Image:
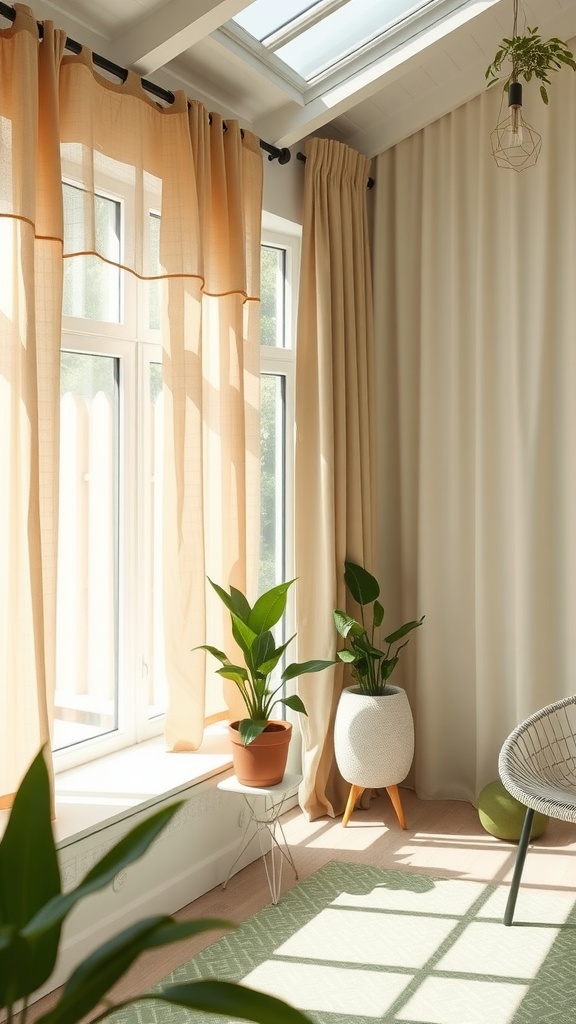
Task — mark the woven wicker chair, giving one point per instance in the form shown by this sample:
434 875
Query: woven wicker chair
537 765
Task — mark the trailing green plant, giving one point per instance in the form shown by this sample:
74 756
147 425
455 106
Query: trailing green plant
529 56
252 631
33 909
371 666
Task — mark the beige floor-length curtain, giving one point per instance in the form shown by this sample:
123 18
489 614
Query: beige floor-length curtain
205 182
474 271
30 329
335 468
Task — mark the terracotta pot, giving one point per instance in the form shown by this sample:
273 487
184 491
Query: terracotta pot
374 737
262 762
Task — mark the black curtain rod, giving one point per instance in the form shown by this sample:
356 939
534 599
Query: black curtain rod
283 155
302 157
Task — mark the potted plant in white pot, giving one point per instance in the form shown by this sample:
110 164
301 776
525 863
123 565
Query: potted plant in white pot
259 742
373 729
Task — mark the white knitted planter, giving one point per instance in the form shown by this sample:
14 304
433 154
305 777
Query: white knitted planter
374 737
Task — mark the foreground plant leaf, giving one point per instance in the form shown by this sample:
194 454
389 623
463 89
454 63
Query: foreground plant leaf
233 1001
95 976
29 878
33 908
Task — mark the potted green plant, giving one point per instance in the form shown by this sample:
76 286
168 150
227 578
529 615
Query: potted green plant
258 739
373 729
33 909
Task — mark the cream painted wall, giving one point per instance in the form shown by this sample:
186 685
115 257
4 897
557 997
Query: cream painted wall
283 189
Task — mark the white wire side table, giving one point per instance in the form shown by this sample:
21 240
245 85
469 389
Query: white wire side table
265 805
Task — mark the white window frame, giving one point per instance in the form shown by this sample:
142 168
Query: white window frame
136 346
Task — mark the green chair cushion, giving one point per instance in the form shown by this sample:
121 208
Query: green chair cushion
502 815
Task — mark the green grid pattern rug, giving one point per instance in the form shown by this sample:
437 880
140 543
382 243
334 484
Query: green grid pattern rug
355 944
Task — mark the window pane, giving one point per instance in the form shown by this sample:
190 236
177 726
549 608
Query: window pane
155 670
272 459
261 18
343 31
87 594
92 286
273 297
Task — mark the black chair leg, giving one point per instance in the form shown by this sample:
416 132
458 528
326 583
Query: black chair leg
519 865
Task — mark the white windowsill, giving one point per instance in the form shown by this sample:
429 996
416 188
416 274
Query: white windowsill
113 787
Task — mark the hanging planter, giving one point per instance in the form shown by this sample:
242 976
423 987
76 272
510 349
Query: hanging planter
515 144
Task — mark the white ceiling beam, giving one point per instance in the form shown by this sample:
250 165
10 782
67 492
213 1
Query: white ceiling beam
170 30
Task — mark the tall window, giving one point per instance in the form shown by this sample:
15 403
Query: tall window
111 686
110 682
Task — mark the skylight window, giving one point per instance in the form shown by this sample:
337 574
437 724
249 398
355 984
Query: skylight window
262 19
312 38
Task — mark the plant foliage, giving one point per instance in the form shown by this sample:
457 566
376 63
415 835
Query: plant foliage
529 56
371 666
33 909
252 631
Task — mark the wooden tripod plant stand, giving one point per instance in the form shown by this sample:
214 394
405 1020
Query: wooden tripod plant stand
356 793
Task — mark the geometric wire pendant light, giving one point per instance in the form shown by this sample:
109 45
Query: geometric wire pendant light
515 144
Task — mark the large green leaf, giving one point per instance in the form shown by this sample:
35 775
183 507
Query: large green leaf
268 666
240 605
93 978
346 625
361 584
244 637
223 595
128 849
387 667
378 614
28 837
220 655
24 889
295 669
6 936
237 673
234 601
392 638
363 645
263 649
250 728
269 608
294 702
233 1001
348 657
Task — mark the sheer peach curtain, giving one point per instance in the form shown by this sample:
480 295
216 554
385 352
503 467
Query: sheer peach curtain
334 436
206 184
30 327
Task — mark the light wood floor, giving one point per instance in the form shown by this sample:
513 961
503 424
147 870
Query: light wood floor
442 838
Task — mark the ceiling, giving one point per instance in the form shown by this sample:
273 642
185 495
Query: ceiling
393 88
